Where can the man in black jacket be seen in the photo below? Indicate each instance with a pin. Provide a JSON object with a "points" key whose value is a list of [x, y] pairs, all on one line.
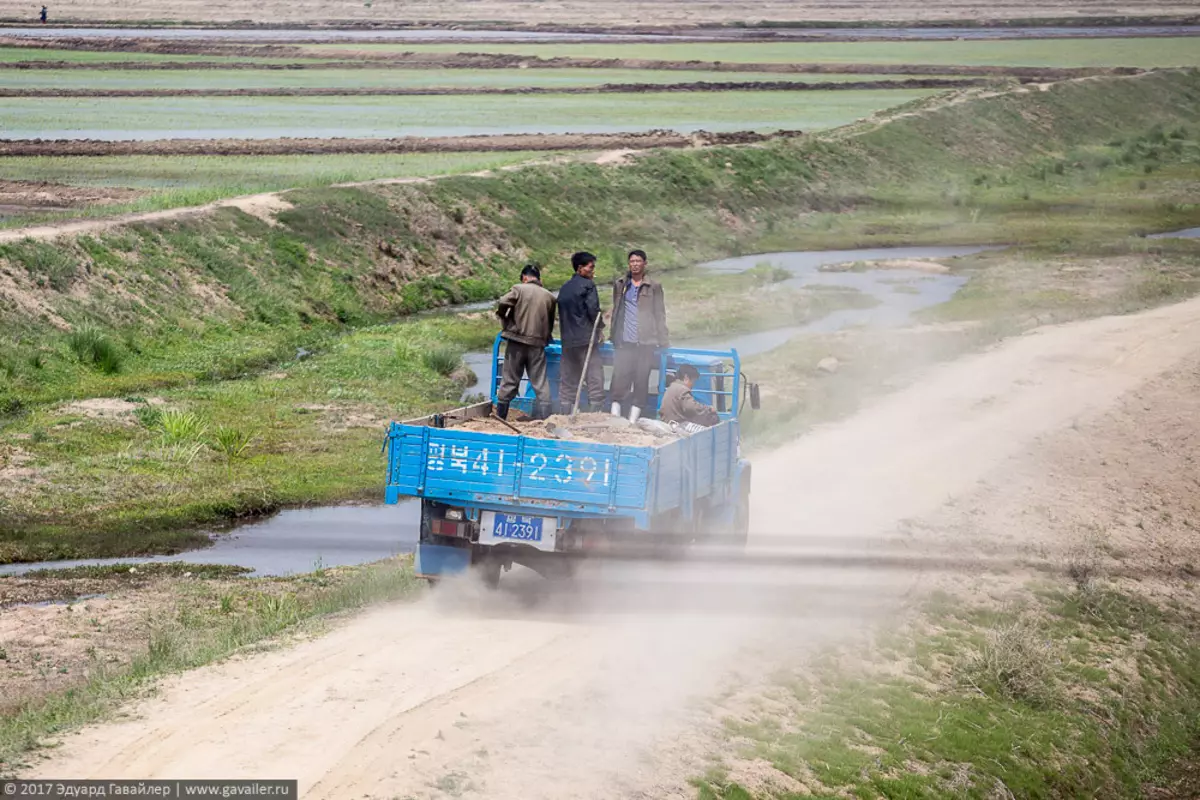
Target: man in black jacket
{"points": [[578, 311], [639, 329]]}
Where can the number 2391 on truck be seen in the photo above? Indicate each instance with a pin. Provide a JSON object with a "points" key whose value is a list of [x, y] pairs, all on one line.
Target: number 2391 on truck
{"points": [[492, 499]]}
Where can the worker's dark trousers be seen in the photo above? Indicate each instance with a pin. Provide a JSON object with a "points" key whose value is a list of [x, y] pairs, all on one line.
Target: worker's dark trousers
{"points": [[570, 373], [632, 364], [519, 359]]}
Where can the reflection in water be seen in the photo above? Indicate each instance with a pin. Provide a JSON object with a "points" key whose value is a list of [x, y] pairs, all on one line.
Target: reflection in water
{"points": [[292, 542]]}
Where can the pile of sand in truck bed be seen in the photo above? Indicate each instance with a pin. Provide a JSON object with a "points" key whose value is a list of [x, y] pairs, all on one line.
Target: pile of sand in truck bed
{"points": [[599, 427]]}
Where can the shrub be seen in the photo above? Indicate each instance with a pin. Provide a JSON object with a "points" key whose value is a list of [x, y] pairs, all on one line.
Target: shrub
{"points": [[442, 360], [1015, 662], [92, 347]]}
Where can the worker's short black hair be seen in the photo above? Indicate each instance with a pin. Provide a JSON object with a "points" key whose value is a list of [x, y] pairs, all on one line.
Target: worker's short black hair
{"points": [[689, 372], [633, 253], [582, 259], [532, 270]]}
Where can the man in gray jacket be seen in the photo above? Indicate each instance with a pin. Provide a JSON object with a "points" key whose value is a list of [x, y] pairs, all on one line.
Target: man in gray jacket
{"points": [[678, 404], [639, 329], [526, 314]]}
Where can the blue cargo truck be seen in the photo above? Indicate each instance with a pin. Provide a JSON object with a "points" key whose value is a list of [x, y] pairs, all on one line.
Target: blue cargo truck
{"points": [[491, 500]]}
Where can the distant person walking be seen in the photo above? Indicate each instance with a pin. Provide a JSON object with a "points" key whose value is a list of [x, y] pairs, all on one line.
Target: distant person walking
{"points": [[43, 15], [526, 313], [578, 318], [639, 329]]}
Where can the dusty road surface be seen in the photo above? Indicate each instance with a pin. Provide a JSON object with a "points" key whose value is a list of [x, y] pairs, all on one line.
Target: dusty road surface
{"points": [[610, 689]]}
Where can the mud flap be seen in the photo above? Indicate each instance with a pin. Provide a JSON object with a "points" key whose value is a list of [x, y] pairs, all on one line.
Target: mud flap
{"points": [[436, 561]]}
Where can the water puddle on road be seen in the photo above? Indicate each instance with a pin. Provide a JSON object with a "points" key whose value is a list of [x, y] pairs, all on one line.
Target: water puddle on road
{"points": [[291, 542]]}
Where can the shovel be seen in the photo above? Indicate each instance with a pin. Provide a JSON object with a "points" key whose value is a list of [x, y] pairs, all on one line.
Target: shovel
{"points": [[586, 360]]}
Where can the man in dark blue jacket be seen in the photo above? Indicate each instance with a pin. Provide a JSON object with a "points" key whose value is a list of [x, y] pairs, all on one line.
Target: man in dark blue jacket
{"points": [[578, 310]]}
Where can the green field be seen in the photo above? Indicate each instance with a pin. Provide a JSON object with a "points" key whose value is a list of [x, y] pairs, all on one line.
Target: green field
{"points": [[386, 78], [18, 54], [207, 117], [248, 174], [1158, 52]]}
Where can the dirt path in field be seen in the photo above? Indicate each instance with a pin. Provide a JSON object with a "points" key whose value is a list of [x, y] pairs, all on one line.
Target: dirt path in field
{"points": [[533, 693]]}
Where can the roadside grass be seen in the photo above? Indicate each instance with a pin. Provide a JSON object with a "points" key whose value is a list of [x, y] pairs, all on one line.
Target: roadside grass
{"points": [[1127, 52], [210, 620], [439, 115], [141, 481], [1059, 694]]}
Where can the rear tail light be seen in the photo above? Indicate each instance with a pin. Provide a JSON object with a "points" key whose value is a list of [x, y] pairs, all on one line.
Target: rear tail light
{"points": [[455, 514], [445, 527]]}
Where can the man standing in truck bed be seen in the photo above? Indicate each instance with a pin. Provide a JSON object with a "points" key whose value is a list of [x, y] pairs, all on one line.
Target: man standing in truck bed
{"points": [[580, 324], [639, 329], [527, 316]]}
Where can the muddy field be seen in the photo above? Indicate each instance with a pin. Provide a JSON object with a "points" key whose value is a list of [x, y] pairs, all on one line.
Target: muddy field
{"points": [[409, 144], [531, 13], [606, 88]]}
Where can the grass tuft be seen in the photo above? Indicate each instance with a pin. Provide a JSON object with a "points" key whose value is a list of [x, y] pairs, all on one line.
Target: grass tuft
{"points": [[231, 442], [442, 359], [181, 427], [1016, 662]]}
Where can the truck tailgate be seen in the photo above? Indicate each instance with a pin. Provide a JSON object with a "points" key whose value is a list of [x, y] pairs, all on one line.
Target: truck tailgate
{"points": [[474, 467]]}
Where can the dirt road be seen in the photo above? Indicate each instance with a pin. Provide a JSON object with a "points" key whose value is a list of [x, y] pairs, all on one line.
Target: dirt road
{"points": [[592, 693]]}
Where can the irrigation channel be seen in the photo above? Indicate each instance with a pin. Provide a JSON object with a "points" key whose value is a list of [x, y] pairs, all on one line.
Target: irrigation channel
{"points": [[301, 540]]}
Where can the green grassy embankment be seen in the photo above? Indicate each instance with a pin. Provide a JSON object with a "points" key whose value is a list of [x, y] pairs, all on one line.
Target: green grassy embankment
{"points": [[166, 182], [1130, 52], [206, 313]]}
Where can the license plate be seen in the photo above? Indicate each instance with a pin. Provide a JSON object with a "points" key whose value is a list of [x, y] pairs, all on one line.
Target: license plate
{"points": [[497, 527]]}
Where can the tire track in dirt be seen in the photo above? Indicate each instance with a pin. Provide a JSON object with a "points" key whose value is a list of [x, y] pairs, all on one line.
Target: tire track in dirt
{"points": [[605, 88]]}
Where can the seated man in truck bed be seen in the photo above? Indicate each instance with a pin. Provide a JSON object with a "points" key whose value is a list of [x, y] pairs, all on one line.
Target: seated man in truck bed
{"points": [[678, 404]]}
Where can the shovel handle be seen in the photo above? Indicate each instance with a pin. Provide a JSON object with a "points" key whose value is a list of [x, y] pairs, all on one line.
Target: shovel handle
{"points": [[586, 360]]}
